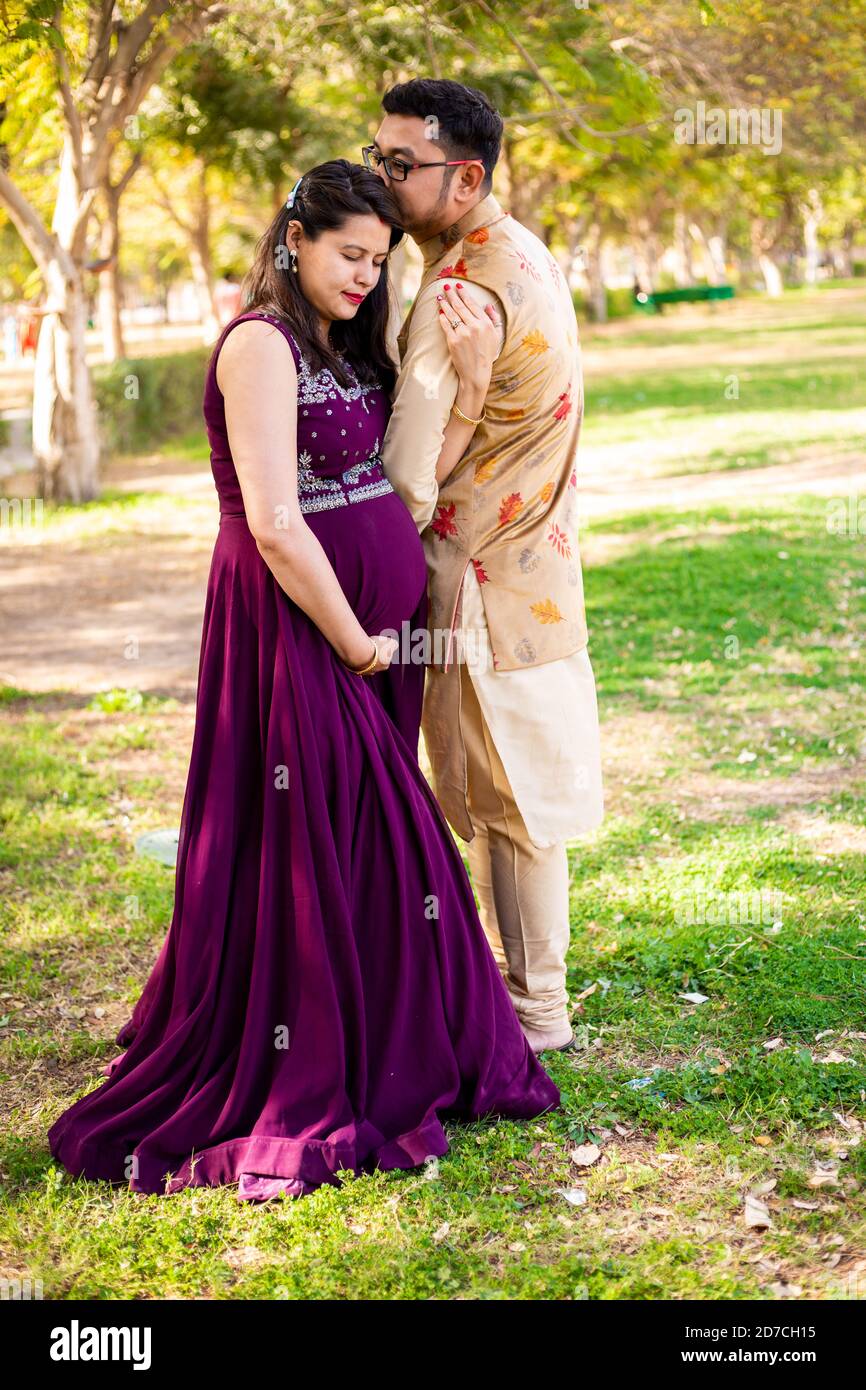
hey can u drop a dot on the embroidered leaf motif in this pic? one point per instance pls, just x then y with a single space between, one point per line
484 470
546 611
528 560
510 508
524 650
449 271
478 237
443 522
559 540
535 342
483 576
555 271
526 264
564 405
547 491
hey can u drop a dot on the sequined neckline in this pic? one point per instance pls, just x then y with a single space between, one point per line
315 387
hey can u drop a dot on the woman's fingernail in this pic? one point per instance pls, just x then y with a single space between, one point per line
438 296
459 287
447 287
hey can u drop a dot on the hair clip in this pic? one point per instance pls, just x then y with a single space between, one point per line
290 201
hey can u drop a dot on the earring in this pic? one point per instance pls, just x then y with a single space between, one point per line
294 259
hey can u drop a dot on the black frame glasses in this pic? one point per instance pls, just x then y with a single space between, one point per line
398 169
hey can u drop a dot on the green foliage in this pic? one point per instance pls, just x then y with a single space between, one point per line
620 303
146 400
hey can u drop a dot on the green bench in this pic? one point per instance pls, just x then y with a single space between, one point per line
693 294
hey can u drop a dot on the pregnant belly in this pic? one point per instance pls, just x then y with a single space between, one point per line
377 555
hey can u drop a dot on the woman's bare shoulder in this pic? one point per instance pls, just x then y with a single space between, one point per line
255 345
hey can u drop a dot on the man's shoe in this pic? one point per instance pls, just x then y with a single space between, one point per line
547 1040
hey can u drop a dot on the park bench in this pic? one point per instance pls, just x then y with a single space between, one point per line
692 294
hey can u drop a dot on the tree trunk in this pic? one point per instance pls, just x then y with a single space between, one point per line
113 346
771 273
683 272
698 235
595 274
65 438
842 254
645 252
202 274
813 213
717 247
765 238
201 263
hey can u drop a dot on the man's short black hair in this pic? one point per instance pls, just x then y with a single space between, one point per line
468 126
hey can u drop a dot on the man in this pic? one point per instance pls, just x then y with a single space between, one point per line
512 729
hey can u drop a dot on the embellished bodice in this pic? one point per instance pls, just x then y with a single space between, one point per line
339 436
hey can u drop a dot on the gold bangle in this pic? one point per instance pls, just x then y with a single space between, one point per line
365 670
467 419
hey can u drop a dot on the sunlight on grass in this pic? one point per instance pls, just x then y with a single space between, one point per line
718 927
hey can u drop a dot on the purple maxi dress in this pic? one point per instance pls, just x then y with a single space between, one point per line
325 995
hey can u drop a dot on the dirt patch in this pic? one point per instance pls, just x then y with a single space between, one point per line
821 470
636 753
826 836
709 796
125 608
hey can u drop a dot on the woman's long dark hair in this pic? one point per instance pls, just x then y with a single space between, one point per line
327 195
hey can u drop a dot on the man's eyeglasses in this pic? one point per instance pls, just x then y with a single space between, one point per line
399 169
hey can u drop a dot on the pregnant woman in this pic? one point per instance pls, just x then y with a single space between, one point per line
325 995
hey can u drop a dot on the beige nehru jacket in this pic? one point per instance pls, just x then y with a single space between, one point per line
508 507
543 718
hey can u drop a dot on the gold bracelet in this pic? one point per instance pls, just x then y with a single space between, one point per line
467 419
365 670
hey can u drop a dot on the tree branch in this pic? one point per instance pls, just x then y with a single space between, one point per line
99 47
42 245
166 202
113 110
64 87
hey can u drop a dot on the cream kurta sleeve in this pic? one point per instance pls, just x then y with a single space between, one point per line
423 396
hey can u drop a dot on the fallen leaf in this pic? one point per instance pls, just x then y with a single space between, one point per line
575 1196
756 1213
585 1154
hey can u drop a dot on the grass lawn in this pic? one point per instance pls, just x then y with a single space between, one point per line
744 387
718 956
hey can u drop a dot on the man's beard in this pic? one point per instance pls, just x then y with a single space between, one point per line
428 224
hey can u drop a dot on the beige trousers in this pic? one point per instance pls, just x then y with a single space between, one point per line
522 890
